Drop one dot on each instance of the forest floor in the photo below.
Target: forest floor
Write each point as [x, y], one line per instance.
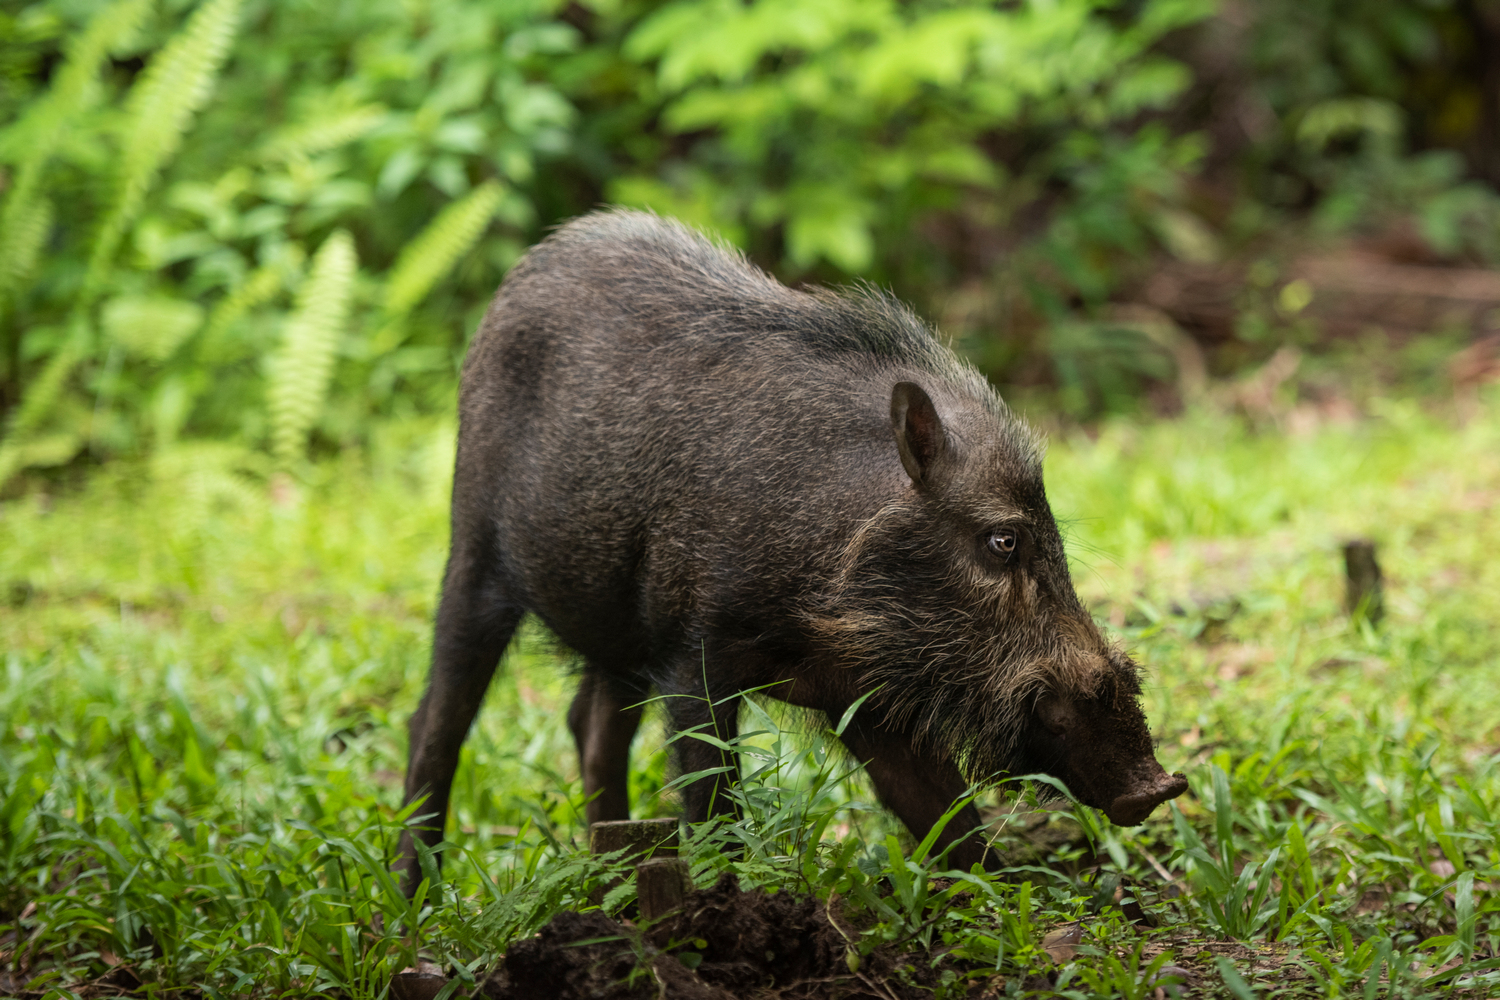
[207, 676]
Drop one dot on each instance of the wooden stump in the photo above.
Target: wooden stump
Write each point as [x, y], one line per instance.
[661, 886]
[1364, 593]
[641, 838]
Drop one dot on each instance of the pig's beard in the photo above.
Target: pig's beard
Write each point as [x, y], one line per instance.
[959, 658]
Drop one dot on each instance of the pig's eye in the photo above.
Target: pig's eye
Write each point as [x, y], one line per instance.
[1002, 543]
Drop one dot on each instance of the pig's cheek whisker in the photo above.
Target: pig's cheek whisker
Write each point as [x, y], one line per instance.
[1031, 592]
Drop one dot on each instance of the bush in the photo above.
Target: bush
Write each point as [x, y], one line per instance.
[268, 230]
[267, 222]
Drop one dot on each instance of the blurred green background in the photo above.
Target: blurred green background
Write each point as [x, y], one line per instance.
[243, 245]
[269, 222]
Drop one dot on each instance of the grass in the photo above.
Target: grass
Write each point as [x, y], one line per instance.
[206, 676]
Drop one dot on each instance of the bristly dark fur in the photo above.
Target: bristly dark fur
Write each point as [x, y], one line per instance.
[696, 478]
[714, 295]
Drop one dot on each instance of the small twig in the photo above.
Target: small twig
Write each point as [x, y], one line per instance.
[1167, 876]
[874, 987]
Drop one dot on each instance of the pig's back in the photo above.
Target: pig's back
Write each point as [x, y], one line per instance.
[671, 443]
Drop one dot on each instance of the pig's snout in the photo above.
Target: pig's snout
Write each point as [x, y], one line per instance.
[1135, 805]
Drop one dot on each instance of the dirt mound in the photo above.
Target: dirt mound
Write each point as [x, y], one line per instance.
[725, 945]
[554, 965]
[755, 940]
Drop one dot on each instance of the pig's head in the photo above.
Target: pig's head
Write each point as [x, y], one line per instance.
[956, 599]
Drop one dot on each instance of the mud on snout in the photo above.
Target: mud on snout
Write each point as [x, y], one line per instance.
[1101, 748]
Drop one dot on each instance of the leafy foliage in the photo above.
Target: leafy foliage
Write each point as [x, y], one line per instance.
[168, 171]
[158, 221]
[840, 125]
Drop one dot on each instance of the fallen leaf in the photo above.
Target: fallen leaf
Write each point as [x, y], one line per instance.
[1062, 943]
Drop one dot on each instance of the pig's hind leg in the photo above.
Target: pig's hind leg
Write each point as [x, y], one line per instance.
[475, 621]
[603, 719]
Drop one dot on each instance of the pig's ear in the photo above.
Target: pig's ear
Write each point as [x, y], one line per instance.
[920, 437]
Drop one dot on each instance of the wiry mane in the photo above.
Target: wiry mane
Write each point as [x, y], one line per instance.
[710, 287]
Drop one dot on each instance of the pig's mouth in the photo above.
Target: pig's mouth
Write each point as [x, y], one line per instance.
[1127, 799]
[1133, 806]
[1103, 754]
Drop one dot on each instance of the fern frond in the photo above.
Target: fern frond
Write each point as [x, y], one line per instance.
[323, 134]
[32, 139]
[22, 233]
[206, 474]
[433, 252]
[41, 392]
[303, 365]
[159, 109]
[262, 283]
[75, 87]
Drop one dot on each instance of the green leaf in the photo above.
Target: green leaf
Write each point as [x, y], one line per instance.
[1233, 979]
[824, 222]
[848, 715]
[1223, 818]
[150, 326]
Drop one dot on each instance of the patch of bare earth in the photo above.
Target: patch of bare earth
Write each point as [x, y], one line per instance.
[724, 945]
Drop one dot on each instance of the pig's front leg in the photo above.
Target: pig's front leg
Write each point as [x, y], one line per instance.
[919, 787]
[704, 703]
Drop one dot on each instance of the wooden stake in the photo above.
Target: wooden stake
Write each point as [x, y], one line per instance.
[638, 838]
[1365, 592]
[642, 838]
[661, 886]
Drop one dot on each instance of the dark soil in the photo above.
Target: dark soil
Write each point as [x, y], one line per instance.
[749, 945]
